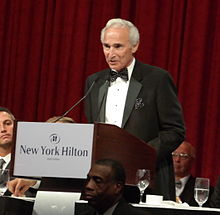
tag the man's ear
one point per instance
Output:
(135, 48)
(118, 187)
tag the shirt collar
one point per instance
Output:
(184, 180)
(7, 159)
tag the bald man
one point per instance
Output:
(183, 160)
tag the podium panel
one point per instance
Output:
(61, 150)
(113, 142)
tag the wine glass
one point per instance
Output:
(4, 178)
(201, 190)
(142, 181)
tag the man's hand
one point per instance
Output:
(18, 186)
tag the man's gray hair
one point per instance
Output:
(134, 36)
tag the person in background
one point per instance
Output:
(7, 120)
(104, 190)
(183, 160)
(19, 186)
(60, 119)
(215, 197)
(137, 97)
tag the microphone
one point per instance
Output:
(71, 108)
(107, 84)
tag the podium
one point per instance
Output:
(113, 142)
(100, 141)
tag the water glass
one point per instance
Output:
(201, 190)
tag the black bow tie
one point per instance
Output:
(122, 74)
(179, 184)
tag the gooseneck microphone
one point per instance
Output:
(107, 84)
(71, 108)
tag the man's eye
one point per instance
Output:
(106, 46)
(98, 181)
(118, 46)
(8, 123)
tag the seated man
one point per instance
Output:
(104, 189)
(183, 158)
(215, 198)
(6, 133)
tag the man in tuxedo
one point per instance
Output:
(183, 159)
(137, 97)
(215, 197)
(104, 190)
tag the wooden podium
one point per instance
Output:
(113, 142)
(110, 141)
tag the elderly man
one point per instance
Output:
(138, 98)
(183, 160)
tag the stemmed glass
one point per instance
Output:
(4, 178)
(201, 190)
(142, 181)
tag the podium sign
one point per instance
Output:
(61, 150)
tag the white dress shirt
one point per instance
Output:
(7, 159)
(116, 98)
(183, 181)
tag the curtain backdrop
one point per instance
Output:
(49, 47)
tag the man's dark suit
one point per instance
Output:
(188, 193)
(215, 197)
(31, 192)
(123, 208)
(152, 113)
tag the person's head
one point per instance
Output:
(183, 158)
(104, 184)
(120, 40)
(6, 130)
(61, 120)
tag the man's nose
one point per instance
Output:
(176, 158)
(2, 128)
(89, 185)
(111, 51)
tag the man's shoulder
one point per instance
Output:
(124, 208)
(149, 71)
(149, 67)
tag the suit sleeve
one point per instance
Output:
(172, 130)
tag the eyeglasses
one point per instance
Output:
(183, 156)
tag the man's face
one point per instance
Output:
(6, 129)
(100, 190)
(182, 164)
(117, 48)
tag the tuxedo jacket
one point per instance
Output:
(152, 113)
(188, 193)
(123, 208)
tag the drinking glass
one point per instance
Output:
(4, 178)
(142, 181)
(201, 190)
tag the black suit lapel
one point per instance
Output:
(133, 91)
(101, 101)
